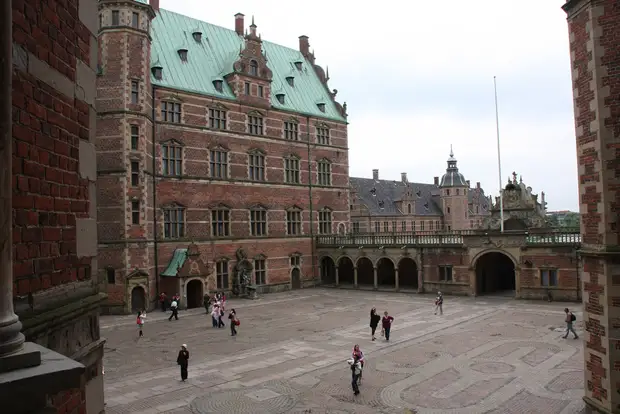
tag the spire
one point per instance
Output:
(451, 152)
(327, 72)
(252, 25)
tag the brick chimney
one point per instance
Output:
(239, 23)
(154, 4)
(403, 177)
(436, 180)
(375, 174)
(304, 45)
(478, 185)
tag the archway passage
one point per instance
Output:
(194, 294)
(386, 275)
(495, 273)
(295, 278)
(365, 272)
(328, 271)
(345, 271)
(408, 273)
(138, 299)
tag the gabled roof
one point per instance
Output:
(213, 58)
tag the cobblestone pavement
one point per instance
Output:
(491, 355)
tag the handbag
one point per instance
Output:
(237, 322)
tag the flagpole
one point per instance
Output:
(499, 160)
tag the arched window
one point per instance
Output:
(253, 68)
(409, 208)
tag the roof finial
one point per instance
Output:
(451, 152)
(252, 25)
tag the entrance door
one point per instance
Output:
(194, 294)
(138, 299)
(296, 278)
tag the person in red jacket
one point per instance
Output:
(387, 325)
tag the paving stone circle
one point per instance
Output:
(244, 401)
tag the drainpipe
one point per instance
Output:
(578, 276)
(312, 241)
(153, 175)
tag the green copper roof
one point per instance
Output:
(213, 58)
(178, 260)
(142, 1)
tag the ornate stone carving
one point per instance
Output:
(243, 273)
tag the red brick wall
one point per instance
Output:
(71, 401)
(48, 193)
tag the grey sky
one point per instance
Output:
(417, 77)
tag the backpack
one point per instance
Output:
(138, 321)
(573, 318)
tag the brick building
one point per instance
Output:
(216, 152)
(449, 203)
(48, 263)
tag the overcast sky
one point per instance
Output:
(417, 77)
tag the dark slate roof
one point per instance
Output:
(389, 192)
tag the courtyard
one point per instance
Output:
(484, 355)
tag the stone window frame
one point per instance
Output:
(219, 161)
(356, 227)
(116, 18)
(290, 129)
(394, 226)
(322, 131)
(261, 91)
(134, 92)
(222, 273)
(176, 160)
(134, 173)
(445, 273)
(110, 273)
(550, 271)
(403, 226)
(255, 123)
(292, 169)
(324, 172)
(134, 137)
(260, 270)
(174, 221)
(258, 221)
(135, 20)
(247, 88)
(220, 221)
(325, 222)
(171, 110)
(253, 68)
(294, 221)
(135, 212)
(296, 260)
(257, 165)
(218, 117)
(377, 227)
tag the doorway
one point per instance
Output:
(495, 274)
(328, 271)
(138, 299)
(295, 278)
(408, 273)
(194, 294)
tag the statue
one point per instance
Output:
(243, 273)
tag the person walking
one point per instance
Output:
(220, 314)
(570, 318)
(374, 322)
(215, 315)
(183, 361)
(356, 371)
(206, 301)
(234, 322)
(140, 321)
(162, 301)
(439, 303)
(174, 307)
(387, 325)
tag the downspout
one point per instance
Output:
(153, 175)
(312, 241)
(577, 274)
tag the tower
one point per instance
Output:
(124, 154)
(454, 197)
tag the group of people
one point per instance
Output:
(218, 310)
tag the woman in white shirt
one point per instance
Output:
(140, 321)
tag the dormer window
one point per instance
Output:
(253, 68)
(381, 204)
(197, 36)
(321, 107)
(418, 193)
(183, 54)
(280, 97)
(426, 206)
(290, 80)
(218, 85)
(298, 65)
(157, 72)
(373, 191)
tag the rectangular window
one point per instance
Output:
(135, 137)
(325, 173)
(325, 222)
(293, 222)
(221, 272)
(549, 277)
(445, 273)
(135, 91)
(256, 163)
(403, 226)
(422, 225)
(111, 275)
(291, 131)
(322, 135)
(261, 92)
(174, 223)
(377, 227)
(135, 20)
(258, 222)
(135, 212)
(116, 18)
(394, 227)
(219, 164)
(255, 125)
(247, 88)
(220, 223)
(430, 223)
(171, 112)
(356, 227)
(172, 159)
(217, 118)
(413, 226)
(135, 173)
(437, 225)
(296, 261)
(291, 170)
(386, 226)
(260, 272)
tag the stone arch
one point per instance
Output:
(194, 292)
(495, 272)
(342, 228)
(408, 273)
(345, 270)
(365, 271)
(327, 269)
(138, 298)
(386, 272)
(478, 255)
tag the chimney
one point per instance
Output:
(468, 184)
(304, 45)
(436, 180)
(375, 174)
(478, 185)
(154, 4)
(238, 23)
(403, 177)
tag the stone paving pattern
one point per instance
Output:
(484, 355)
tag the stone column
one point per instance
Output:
(355, 277)
(11, 338)
(375, 278)
(594, 29)
(421, 280)
(396, 284)
(337, 278)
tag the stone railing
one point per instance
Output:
(561, 237)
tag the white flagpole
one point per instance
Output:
(499, 161)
